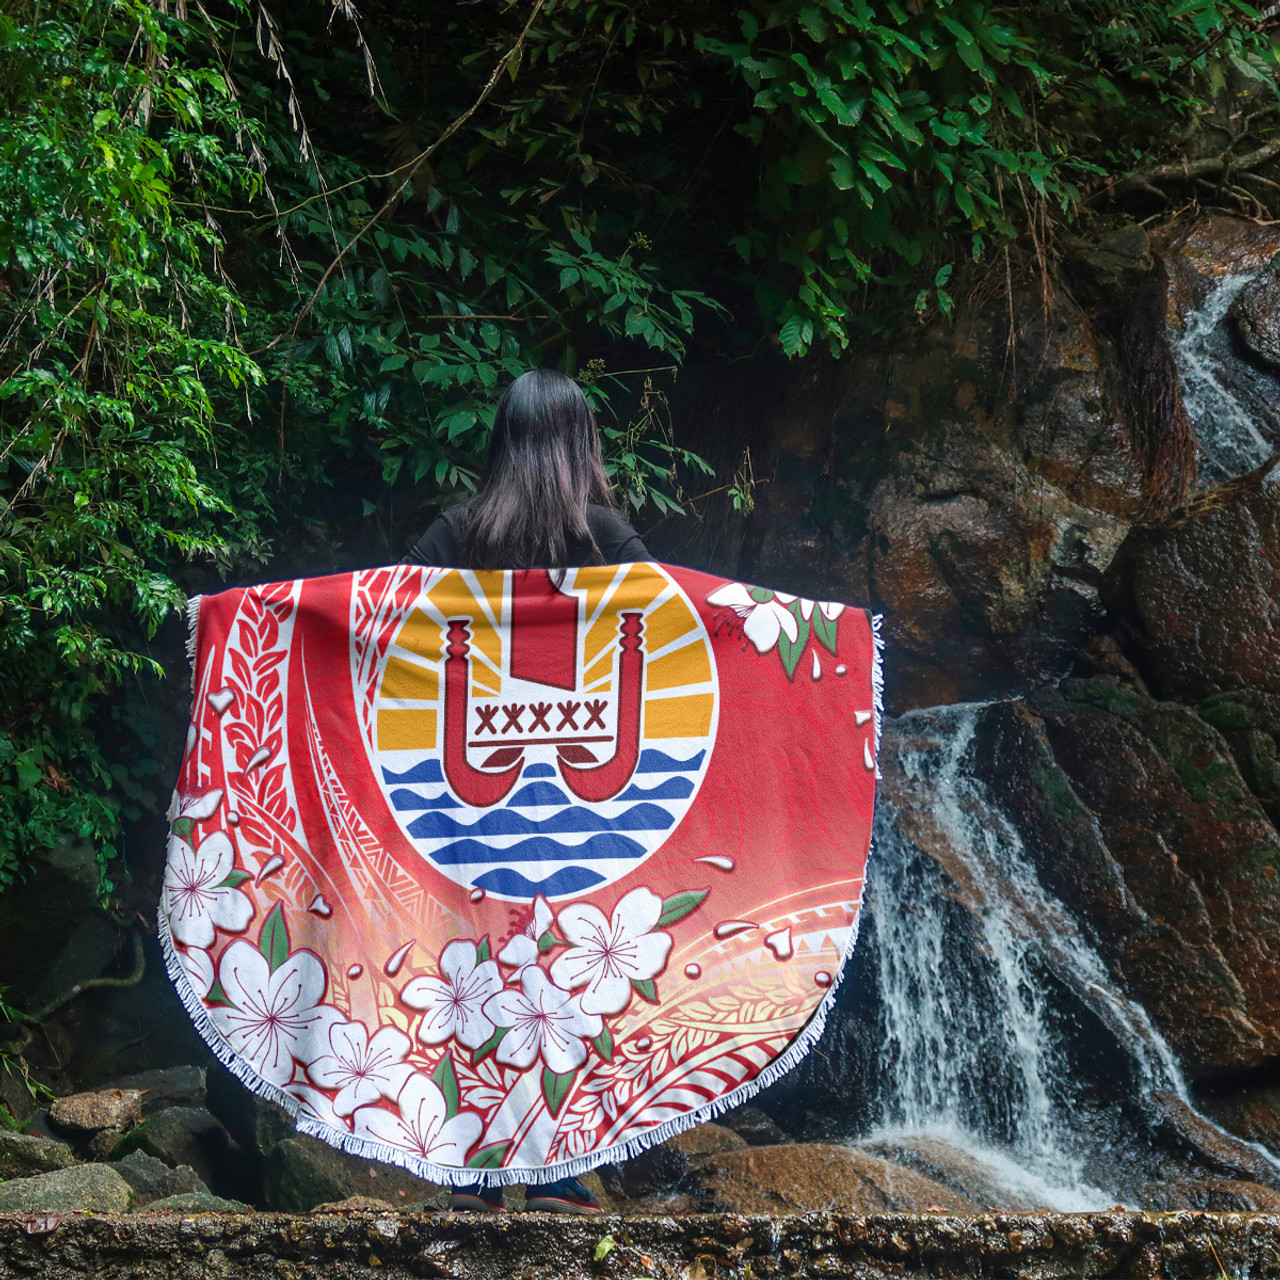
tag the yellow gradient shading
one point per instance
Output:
(688, 717)
(406, 730)
(421, 635)
(637, 591)
(408, 680)
(666, 624)
(685, 666)
(455, 599)
(601, 669)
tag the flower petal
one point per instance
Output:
(732, 594)
(762, 628)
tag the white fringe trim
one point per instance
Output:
(877, 681)
(193, 627)
(369, 1149)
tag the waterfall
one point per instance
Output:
(970, 1051)
(1221, 409)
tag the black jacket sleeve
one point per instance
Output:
(437, 548)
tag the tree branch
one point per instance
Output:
(412, 168)
(1189, 170)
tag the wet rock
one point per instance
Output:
(196, 1202)
(815, 1176)
(22, 1155)
(1198, 598)
(1211, 1195)
(1256, 312)
(661, 1167)
(83, 1186)
(1252, 1114)
(114, 1109)
(1139, 820)
(166, 1087)
(756, 1127)
(1210, 1146)
(186, 1136)
(302, 1172)
(152, 1179)
(355, 1204)
(949, 1165)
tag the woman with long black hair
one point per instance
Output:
(544, 502)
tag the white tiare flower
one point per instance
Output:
(763, 621)
(195, 895)
(420, 1126)
(276, 1017)
(523, 948)
(607, 954)
(198, 966)
(545, 1021)
(453, 1004)
(361, 1069)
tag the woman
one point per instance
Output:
(544, 503)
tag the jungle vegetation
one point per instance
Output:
(260, 264)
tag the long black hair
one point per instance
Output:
(544, 468)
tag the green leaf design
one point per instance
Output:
(217, 995)
(603, 1044)
(489, 1046)
(681, 904)
(824, 628)
(482, 950)
(490, 1157)
(447, 1079)
(646, 989)
(273, 941)
(234, 880)
(545, 943)
(790, 651)
(555, 1088)
(182, 828)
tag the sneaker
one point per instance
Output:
(567, 1195)
(477, 1198)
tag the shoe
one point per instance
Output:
(477, 1198)
(567, 1195)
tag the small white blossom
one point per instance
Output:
(607, 954)
(275, 1017)
(362, 1069)
(419, 1125)
(195, 897)
(453, 1004)
(523, 948)
(544, 1021)
(763, 621)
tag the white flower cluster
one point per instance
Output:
(539, 1015)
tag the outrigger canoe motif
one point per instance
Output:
(499, 875)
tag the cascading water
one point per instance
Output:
(1218, 392)
(967, 955)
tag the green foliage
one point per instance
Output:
(236, 296)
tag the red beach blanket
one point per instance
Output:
(499, 875)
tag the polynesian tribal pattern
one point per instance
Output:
(496, 876)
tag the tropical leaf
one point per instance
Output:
(824, 629)
(646, 989)
(273, 940)
(447, 1080)
(555, 1088)
(489, 1157)
(681, 904)
(480, 1054)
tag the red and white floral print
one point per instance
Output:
(273, 1016)
(523, 948)
(360, 1068)
(545, 1022)
(420, 1125)
(196, 895)
(452, 1005)
(607, 955)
